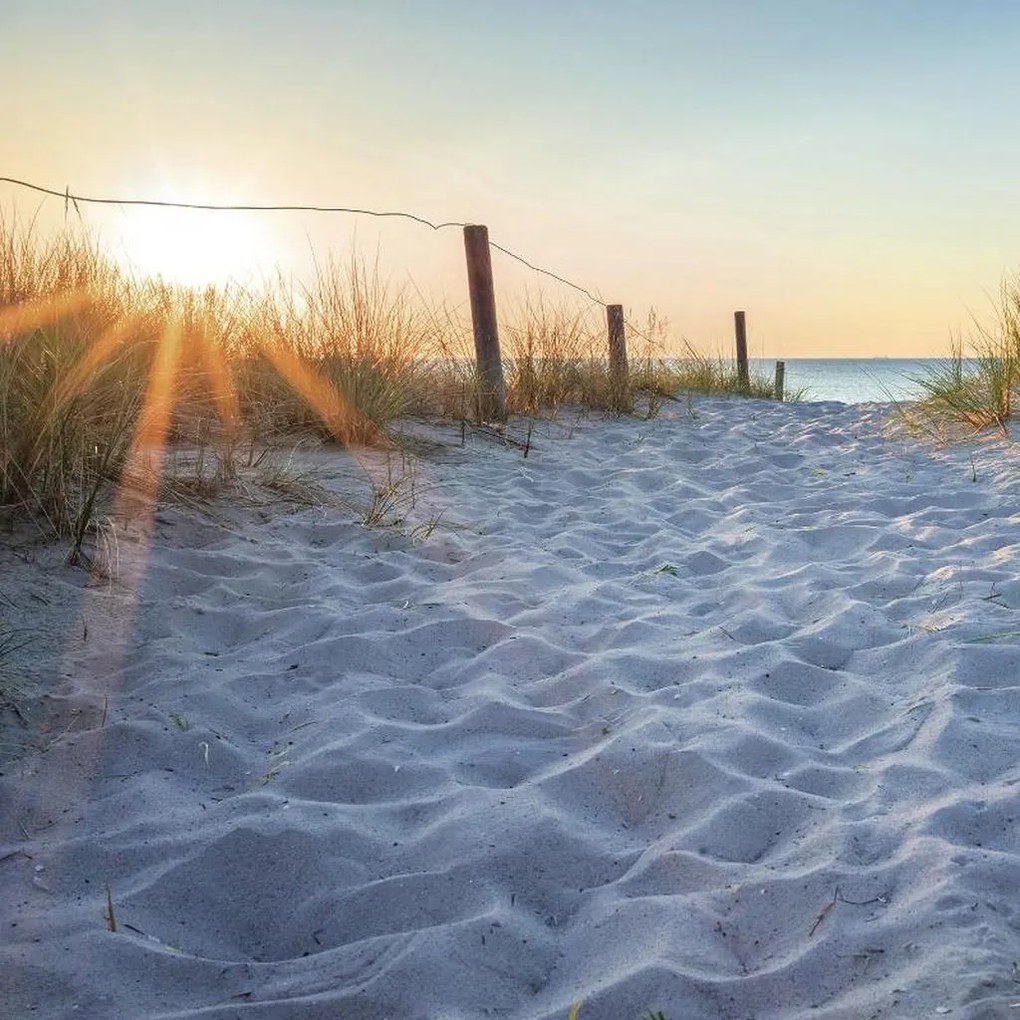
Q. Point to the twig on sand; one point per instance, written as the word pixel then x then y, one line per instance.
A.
pixel 865 956
pixel 500 434
pixel 862 903
pixel 825 910
pixel 111 920
pixel 16 709
pixel 838 897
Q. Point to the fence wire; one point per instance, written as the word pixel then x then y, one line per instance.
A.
pixel 72 198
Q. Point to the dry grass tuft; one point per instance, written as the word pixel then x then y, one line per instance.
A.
pixel 974 389
pixel 555 356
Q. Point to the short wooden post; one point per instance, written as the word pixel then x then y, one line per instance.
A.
pixel 491 389
pixel 617 355
pixel 743 376
pixel 780 390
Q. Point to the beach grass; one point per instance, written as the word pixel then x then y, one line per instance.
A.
pixel 974 391
pixel 975 388
pixel 65 417
pixel 693 372
pixel 102 372
pixel 555 357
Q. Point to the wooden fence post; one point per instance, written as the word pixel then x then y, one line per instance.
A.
pixel 743 376
pixel 780 389
pixel 491 389
pixel 617 355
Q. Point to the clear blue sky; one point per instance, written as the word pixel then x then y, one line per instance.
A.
pixel 844 171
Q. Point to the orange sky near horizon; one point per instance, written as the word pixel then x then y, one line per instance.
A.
pixel 842 172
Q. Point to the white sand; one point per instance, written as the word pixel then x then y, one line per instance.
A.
pixel 713 715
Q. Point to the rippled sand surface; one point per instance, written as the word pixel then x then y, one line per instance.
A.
pixel 716 714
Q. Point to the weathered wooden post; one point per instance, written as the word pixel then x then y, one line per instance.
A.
pixel 617 355
pixel 743 376
pixel 780 390
pixel 491 389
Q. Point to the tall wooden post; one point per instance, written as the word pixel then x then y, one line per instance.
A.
pixel 491 389
pixel 780 391
pixel 617 355
pixel 743 376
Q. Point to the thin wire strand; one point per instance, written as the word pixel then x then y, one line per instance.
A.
pixel 68 196
pixel 538 269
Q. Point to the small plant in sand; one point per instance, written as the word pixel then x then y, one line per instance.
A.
pixel 392 496
pixel 394 499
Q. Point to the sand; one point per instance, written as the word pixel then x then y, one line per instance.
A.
pixel 715 714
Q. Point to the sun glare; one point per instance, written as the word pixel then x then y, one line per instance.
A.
pixel 192 247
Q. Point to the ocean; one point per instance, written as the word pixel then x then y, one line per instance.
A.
pixel 853 380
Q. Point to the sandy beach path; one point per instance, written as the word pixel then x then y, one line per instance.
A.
pixel 716 714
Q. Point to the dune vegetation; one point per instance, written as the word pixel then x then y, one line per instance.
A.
pixel 101 371
pixel 977 386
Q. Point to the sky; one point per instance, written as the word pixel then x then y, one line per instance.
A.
pixel 845 172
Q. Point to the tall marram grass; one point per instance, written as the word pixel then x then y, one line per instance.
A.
pixel 66 416
pixel 99 370
pixel 366 346
pixel 554 356
pixel 977 386
pixel 81 345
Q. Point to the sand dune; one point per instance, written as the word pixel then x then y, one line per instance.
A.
pixel 716 714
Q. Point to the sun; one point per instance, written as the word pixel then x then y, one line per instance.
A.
pixel 191 247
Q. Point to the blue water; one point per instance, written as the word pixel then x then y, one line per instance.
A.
pixel 853 380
